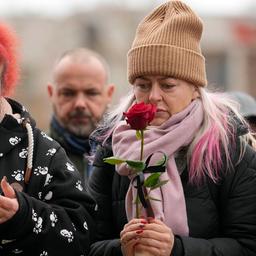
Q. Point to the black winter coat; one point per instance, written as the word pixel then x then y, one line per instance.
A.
pixel 221 218
pixel 54 216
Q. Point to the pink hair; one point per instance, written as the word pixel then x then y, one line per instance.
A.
pixel 212 145
pixel 8 57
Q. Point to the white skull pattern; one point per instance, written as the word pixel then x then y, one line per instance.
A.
pixel 14 140
pixel 70 167
pixel 23 153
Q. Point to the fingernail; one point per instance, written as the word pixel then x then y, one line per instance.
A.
pixel 150 219
pixel 142 226
pixel 139 231
pixel 143 221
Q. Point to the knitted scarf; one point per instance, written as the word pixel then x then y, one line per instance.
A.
pixel 178 131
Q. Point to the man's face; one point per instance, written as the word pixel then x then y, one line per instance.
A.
pixel 80 95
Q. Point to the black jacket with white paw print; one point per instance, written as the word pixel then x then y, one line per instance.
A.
pixel 54 216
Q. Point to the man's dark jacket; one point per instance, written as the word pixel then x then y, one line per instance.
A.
pixel 78 159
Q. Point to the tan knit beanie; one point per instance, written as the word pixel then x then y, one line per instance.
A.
pixel 167 42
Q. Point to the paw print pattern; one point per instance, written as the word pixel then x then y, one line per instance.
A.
pixel 67 234
pixel 41 170
pixel 70 167
pixel 23 153
pixel 18 175
pixel 14 140
pixel 44 253
pixel 38 222
pixel 53 219
pixel 46 136
pixel 79 185
pixel 51 151
pixel 48 179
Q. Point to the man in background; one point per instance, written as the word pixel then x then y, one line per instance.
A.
pixel 80 94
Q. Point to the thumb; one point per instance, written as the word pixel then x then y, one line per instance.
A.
pixel 7 189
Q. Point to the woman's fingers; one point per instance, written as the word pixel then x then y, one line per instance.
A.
pixel 133 225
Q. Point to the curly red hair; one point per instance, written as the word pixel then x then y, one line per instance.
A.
pixel 8 58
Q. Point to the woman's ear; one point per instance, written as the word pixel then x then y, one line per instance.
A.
pixel 196 93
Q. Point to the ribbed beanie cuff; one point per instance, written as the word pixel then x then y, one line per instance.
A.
pixel 166 60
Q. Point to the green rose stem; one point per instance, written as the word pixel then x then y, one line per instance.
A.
pixel 141 144
pixel 149 210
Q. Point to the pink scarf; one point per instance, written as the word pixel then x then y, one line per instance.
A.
pixel 178 131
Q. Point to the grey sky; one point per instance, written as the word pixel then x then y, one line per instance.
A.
pixel 63 7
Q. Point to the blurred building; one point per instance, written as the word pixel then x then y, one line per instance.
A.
pixel 229 44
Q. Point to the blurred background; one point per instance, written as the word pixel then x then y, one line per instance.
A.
pixel 47 28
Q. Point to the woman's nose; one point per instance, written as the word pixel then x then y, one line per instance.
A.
pixel 155 94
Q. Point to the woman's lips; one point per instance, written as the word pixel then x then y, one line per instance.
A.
pixel 160 110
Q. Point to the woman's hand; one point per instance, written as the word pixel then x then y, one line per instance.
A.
pixel 8 202
pixel 156 238
pixel 129 236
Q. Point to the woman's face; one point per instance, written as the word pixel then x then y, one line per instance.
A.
pixel 168 94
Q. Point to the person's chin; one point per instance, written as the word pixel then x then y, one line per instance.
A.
pixel 81 130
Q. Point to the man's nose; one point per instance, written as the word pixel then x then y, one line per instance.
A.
pixel 80 101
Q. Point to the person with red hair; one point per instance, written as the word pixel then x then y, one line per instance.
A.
pixel 8 57
pixel 43 207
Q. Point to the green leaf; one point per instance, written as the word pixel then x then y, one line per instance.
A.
pixel 159 184
pixel 137 165
pixel 138 134
pixel 152 180
pixel 113 160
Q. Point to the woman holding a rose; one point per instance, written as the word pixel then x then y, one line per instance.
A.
pixel 207 207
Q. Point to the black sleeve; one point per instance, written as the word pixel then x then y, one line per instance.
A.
pixel 60 221
pixel 238 216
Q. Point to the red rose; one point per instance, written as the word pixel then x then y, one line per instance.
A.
pixel 140 115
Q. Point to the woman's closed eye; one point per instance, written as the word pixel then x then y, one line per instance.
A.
pixel 167 87
pixel 143 87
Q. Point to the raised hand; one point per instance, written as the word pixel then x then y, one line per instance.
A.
pixel 8 202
